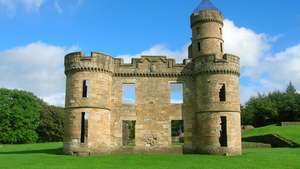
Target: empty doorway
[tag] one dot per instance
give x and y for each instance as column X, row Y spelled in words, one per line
column 128, row 132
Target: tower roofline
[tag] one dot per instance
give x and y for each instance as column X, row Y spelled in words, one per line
column 205, row 5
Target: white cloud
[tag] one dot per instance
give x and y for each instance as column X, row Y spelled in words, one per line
column 37, row 67
column 11, row 6
column 265, row 71
column 284, row 65
column 246, row 43
column 277, row 70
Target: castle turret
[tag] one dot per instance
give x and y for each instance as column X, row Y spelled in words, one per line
column 207, row 26
column 88, row 107
column 218, row 126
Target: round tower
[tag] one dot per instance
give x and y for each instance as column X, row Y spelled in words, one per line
column 207, row 28
column 218, row 126
column 87, row 104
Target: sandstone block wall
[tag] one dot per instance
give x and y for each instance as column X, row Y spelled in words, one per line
column 211, row 97
column 152, row 110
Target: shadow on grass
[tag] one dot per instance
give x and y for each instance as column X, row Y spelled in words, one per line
column 56, row 151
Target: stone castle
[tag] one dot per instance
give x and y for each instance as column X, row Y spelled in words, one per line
column 98, row 115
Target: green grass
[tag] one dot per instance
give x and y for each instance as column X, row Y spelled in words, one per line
column 289, row 132
column 44, row 156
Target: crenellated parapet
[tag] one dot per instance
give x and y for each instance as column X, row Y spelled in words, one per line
column 152, row 66
column 96, row 62
column 229, row 64
column 146, row 66
column 207, row 16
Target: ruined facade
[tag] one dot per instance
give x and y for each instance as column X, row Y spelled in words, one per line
column 96, row 112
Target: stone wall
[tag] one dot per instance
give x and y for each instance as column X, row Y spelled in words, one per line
column 211, row 98
column 152, row 110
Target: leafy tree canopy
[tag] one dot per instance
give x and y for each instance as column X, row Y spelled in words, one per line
column 51, row 124
column 19, row 116
column 272, row 108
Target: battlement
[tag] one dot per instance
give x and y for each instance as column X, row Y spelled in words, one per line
column 151, row 59
column 78, row 61
column 79, row 56
column 149, row 65
column 212, row 58
column 144, row 65
column 210, row 63
column 207, row 16
column 231, row 58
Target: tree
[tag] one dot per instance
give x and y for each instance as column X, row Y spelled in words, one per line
column 247, row 117
column 291, row 89
column 290, row 110
column 272, row 108
column 19, row 115
column 263, row 109
column 51, row 124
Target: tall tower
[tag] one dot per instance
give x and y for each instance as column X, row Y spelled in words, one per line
column 207, row 28
column 88, row 106
column 217, row 119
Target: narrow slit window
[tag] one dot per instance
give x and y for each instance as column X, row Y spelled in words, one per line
column 223, row 132
column 199, row 46
column 176, row 93
column 128, row 93
column 221, row 46
column 177, row 131
column 222, row 93
column 85, row 88
column 84, row 127
column 128, row 133
column 220, row 31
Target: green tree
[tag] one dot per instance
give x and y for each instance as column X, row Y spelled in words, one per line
column 272, row 108
column 291, row 89
column 247, row 116
column 51, row 124
column 262, row 110
column 19, row 115
column 289, row 109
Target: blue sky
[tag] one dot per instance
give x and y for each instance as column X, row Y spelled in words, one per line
column 118, row 26
column 36, row 34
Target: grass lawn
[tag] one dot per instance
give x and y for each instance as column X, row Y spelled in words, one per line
column 289, row 132
column 44, row 156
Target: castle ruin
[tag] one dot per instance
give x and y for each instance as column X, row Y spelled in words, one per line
column 98, row 117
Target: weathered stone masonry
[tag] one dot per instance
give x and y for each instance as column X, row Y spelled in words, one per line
column 210, row 108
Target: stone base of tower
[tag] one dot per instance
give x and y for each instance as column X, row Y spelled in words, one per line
column 87, row 131
column 218, row 133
